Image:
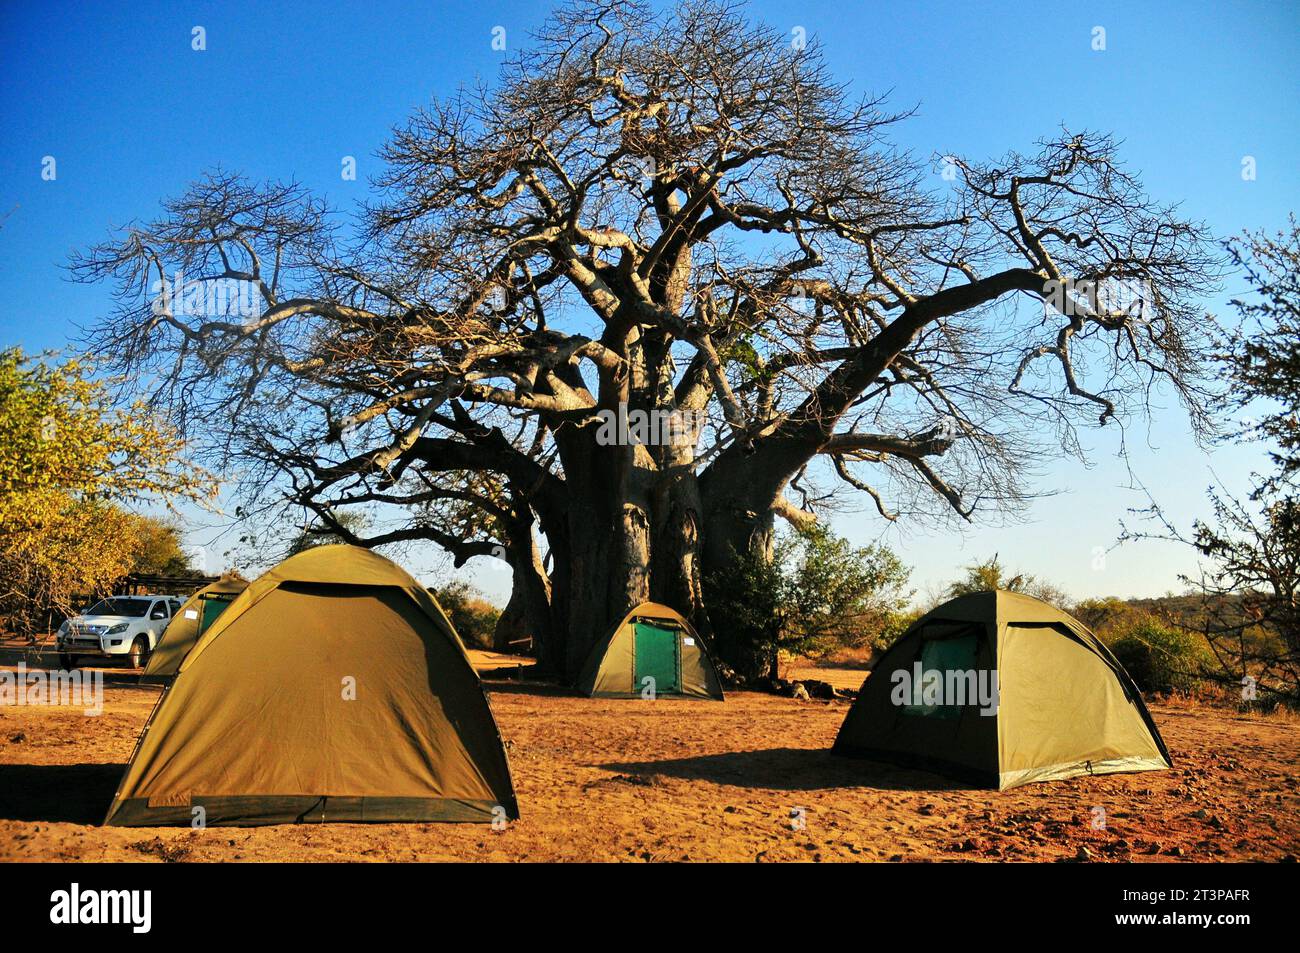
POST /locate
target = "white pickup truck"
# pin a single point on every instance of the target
(117, 627)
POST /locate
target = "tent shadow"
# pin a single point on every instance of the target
(539, 689)
(115, 675)
(58, 793)
(790, 769)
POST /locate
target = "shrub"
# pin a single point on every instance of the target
(893, 625)
(1159, 658)
(1108, 616)
(474, 618)
(816, 594)
(991, 574)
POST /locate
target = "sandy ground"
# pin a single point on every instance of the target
(749, 779)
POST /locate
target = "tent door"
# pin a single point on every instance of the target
(656, 656)
(211, 609)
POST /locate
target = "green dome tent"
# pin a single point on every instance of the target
(191, 621)
(333, 688)
(1061, 705)
(652, 647)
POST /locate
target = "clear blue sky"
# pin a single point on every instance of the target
(131, 113)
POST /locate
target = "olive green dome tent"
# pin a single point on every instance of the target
(191, 621)
(1063, 705)
(653, 647)
(333, 688)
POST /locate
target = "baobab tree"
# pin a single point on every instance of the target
(680, 214)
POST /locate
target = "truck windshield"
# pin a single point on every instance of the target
(126, 607)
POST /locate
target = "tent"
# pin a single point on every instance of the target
(651, 642)
(192, 620)
(1063, 705)
(333, 688)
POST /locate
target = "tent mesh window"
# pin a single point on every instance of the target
(657, 622)
(948, 660)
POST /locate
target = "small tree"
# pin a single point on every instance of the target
(69, 459)
(160, 550)
(1263, 359)
(990, 574)
(1250, 592)
(1160, 658)
(474, 618)
(1249, 584)
(816, 594)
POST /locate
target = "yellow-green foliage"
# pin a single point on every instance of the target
(60, 432)
(474, 618)
(68, 458)
(1109, 617)
(1160, 657)
(816, 595)
(990, 574)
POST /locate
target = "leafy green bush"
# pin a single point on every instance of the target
(474, 618)
(1108, 616)
(893, 625)
(1159, 658)
(990, 574)
(815, 595)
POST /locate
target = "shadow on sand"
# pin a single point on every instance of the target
(114, 674)
(540, 689)
(790, 769)
(58, 793)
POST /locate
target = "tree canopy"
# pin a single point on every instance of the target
(816, 594)
(990, 574)
(1263, 358)
(679, 213)
(1249, 579)
(70, 461)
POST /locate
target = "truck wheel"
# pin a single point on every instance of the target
(138, 652)
(67, 661)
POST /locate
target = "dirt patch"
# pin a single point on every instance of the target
(747, 779)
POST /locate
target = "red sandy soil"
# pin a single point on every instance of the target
(687, 780)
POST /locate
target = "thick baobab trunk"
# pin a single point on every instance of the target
(663, 546)
(593, 587)
(514, 631)
(633, 532)
(602, 551)
(675, 558)
(630, 533)
(740, 493)
(526, 619)
(677, 528)
(638, 524)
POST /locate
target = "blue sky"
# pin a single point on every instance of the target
(131, 113)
